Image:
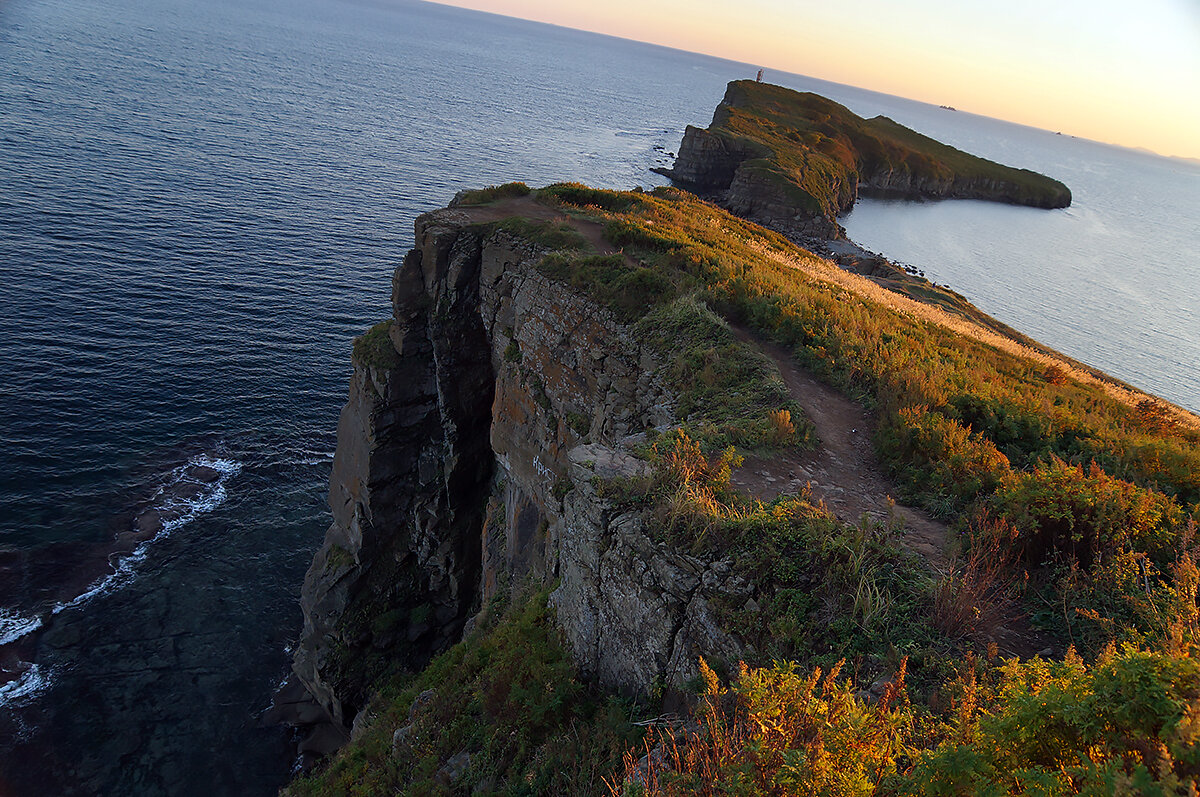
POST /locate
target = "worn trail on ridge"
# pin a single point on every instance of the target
(843, 471)
(845, 474)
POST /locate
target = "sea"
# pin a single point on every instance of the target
(201, 204)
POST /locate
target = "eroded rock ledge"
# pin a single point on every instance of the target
(795, 161)
(480, 421)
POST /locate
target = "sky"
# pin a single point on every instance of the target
(1125, 72)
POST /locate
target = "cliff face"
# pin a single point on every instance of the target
(708, 162)
(470, 453)
(794, 162)
(886, 181)
(730, 171)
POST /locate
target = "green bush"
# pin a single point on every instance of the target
(777, 731)
(510, 698)
(1065, 513)
(584, 196)
(374, 348)
(492, 193)
(1130, 724)
(937, 461)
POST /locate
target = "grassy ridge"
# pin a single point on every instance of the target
(819, 153)
(968, 425)
(1076, 501)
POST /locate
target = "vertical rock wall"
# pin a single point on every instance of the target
(467, 456)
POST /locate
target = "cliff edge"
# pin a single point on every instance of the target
(482, 419)
(601, 489)
(795, 161)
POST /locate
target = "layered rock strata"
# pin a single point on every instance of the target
(795, 161)
(472, 451)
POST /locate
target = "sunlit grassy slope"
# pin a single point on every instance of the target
(1075, 499)
(821, 152)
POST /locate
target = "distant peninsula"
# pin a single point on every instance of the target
(794, 161)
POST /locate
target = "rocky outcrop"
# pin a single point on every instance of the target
(729, 171)
(635, 613)
(708, 162)
(469, 453)
(884, 181)
(795, 161)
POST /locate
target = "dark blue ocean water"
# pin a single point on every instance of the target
(200, 205)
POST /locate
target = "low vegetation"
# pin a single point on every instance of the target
(492, 193)
(1129, 724)
(505, 706)
(373, 348)
(1075, 501)
(817, 153)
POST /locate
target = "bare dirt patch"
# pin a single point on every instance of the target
(843, 471)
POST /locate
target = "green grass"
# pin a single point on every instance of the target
(1090, 499)
(492, 193)
(509, 697)
(554, 236)
(961, 420)
(727, 389)
(374, 349)
(818, 151)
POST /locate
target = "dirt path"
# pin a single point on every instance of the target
(843, 471)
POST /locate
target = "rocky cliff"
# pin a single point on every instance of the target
(482, 422)
(795, 161)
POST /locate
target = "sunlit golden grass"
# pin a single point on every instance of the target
(827, 271)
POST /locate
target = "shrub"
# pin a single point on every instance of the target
(554, 236)
(1130, 724)
(781, 430)
(627, 289)
(777, 732)
(583, 196)
(374, 348)
(509, 697)
(975, 597)
(727, 389)
(491, 193)
(1066, 513)
(938, 461)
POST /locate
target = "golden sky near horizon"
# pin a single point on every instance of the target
(1119, 72)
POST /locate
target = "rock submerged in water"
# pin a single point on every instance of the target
(203, 473)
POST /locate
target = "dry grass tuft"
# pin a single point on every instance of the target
(975, 598)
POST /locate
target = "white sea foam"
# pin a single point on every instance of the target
(188, 508)
(13, 626)
(30, 683)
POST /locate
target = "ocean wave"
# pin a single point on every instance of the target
(194, 507)
(313, 457)
(186, 493)
(13, 626)
(29, 684)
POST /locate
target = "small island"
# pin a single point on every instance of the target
(794, 161)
